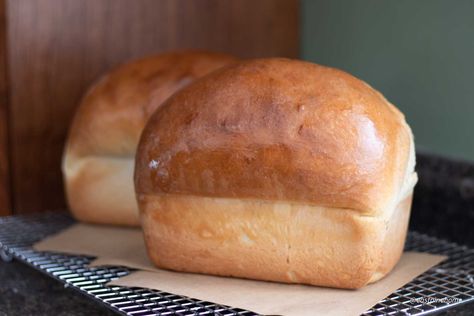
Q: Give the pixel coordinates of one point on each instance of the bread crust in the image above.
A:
(107, 127)
(278, 129)
(272, 240)
(277, 170)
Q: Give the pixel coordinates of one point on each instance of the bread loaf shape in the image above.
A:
(278, 170)
(99, 155)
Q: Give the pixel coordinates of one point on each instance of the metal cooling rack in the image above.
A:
(446, 285)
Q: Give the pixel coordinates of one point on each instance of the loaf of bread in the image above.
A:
(99, 156)
(277, 170)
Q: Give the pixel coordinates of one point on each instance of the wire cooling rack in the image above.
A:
(446, 285)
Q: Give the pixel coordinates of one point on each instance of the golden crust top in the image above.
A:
(113, 113)
(278, 129)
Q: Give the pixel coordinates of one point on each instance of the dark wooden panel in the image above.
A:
(58, 47)
(4, 151)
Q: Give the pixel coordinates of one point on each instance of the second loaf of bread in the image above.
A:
(100, 151)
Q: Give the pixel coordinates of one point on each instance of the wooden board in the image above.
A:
(5, 203)
(56, 48)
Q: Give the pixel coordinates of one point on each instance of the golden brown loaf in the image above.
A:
(99, 155)
(278, 170)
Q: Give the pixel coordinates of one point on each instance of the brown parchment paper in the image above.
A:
(125, 247)
(111, 245)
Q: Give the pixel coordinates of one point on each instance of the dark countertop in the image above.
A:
(443, 206)
(25, 291)
(443, 203)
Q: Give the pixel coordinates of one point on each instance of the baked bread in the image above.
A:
(99, 155)
(278, 170)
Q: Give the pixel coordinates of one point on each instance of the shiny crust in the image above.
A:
(277, 170)
(272, 240)
(278, 130)
(99, 155)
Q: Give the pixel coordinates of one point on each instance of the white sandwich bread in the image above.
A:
(99, 156)
(277, 170)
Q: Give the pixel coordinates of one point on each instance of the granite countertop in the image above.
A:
(443, 206)
(443, 203)
(25, 291)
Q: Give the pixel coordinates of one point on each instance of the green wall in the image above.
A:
(419, 54)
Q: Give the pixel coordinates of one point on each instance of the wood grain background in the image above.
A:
(52, 50)
(5, 198)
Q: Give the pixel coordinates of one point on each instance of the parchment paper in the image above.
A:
(111, 245)
(125, 247)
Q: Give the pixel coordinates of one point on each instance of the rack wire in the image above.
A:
(446, 285)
